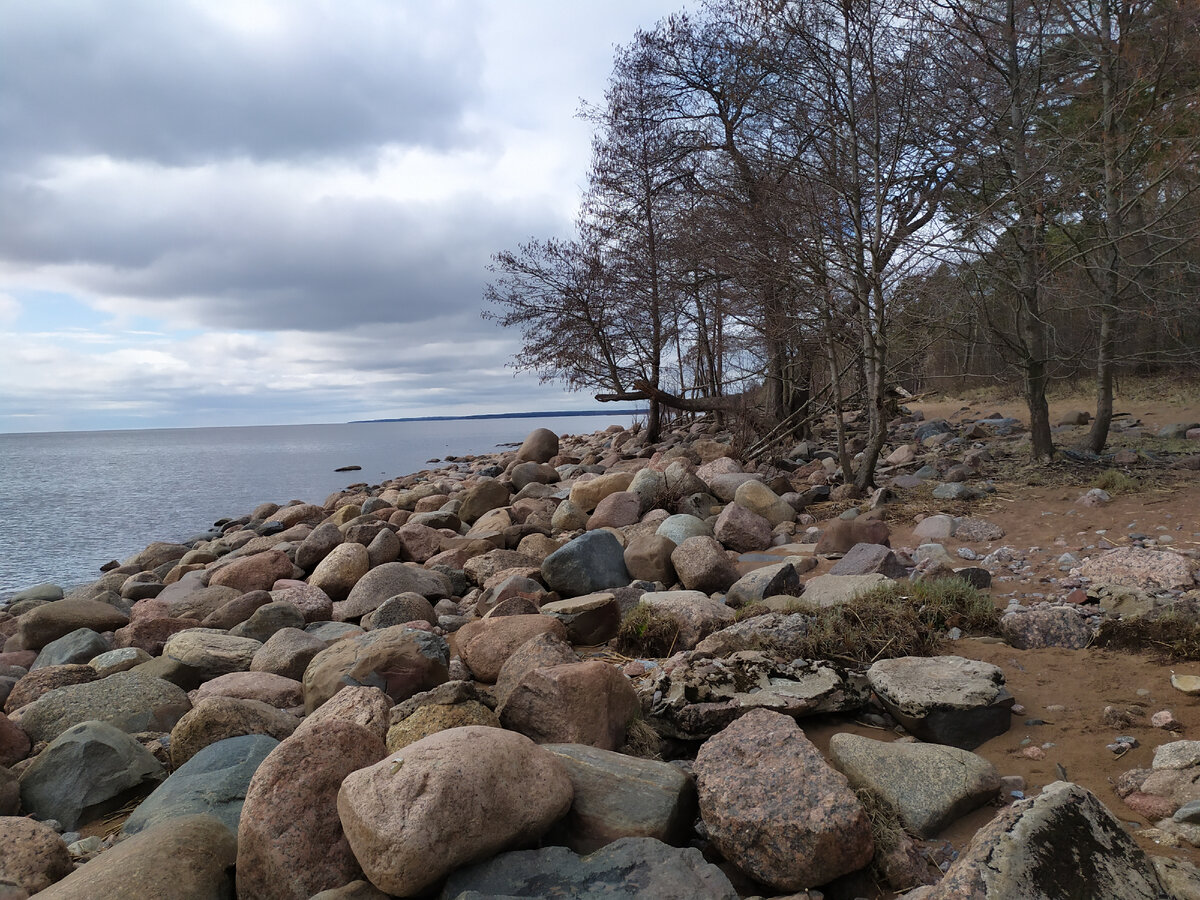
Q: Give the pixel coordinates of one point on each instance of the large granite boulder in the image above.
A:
(577, 703)
(486, 644)
(694, 614)
(290, 839)
(49, 622)
(467, 793)
(34, 855)
(762, 776)
(1061, 843)
(217, 719)
(398, 660)
(130, 701)
(593, 562)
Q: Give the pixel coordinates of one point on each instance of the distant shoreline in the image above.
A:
(554, 414)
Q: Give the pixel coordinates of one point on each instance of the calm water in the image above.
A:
(71, 501)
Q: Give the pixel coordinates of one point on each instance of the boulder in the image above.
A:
(541, 650)
(593, 562)
(468, 793)
(290, 839)
(620, 796)
(318, 545)
(213, 782)
(216, 719)
(340, 570)
(482, 497)
(387, 581)
(368, 707)
(76, 647)
(840, 535)
(617, 510)
(629, 867)
(400, 610)
(541, 445)
(678, 528)
(435, 717)
(702, 565)
(928, 785)
(694, 614)
(768, 581)
(268, 619)
(576, 703)
(590, 619)
(121, 660)
(1030, 629)
(86, 771)
(761, 775)
(824, 591)
(254, 573)
(37, 684)
(865, 559)
(313, 603)
(398, 660)
(130, 701)
(210, 652)
(648, 558)
(34, 855)
(184, 859)
(742, 530)
(275, 690)
(43, 624)
(14, 743)
(1134, 567)
(586, 495)
(944, 699)
(287, 653)
(1062, 843)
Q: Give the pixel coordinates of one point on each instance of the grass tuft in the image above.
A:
(1116, 482)
(1171, 637)
(646, 633)
(899, 619)
(641, 740)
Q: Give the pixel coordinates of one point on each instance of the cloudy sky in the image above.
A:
(227, 212)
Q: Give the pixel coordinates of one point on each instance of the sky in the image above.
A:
(281, 211)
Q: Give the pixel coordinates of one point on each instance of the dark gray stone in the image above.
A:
(213, 782)
(85, 772)
(592, 562)
(77, 647)
(642, 868)
(865, 559)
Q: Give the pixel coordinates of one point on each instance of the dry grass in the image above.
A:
(1171, 637)
(645, 633)
(1116, 482)
(899, 619)
(641, 740)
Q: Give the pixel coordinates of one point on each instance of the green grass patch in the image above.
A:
(646, 633)
(899, 619)
(1116, 482)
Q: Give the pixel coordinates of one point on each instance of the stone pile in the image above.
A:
(399, 692)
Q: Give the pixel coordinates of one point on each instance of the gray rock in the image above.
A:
(314, 548)
(76, 647)
(782, 634)
(120, 660)
(590, 619)
(620, 796)
(400, 610)
(928, 785)
(930, 428)
(833, 590)
(944, 699)
(699, 697)
(130, 701)
(641, 868)
(213, 782)
(387, 581)
(1062, 843)
(1030, 629)
(865, 559)
(211, 652)
(592, 562)
(85, 772)
(680, 527)
(954, 491)
(769, 581)
(268, 619)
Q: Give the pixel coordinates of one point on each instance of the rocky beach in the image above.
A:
(596, 667)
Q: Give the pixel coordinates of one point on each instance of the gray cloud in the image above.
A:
(176, 83)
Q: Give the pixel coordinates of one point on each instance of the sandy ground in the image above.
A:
(1069, 689)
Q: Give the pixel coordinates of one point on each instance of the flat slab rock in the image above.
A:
(642, 868)
(944, 699)
(701, 694)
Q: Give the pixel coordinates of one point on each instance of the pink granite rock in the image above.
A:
(702, 565)
(577, 703)
(762, 777)
(742, 530)
(254, 573)
(314, 603)
(467, 793)
(617, 510)
(34, 856)
(14, 743)
(290, 839)
(274, 690)
(486, 644)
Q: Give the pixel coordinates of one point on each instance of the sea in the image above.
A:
(72, 501)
